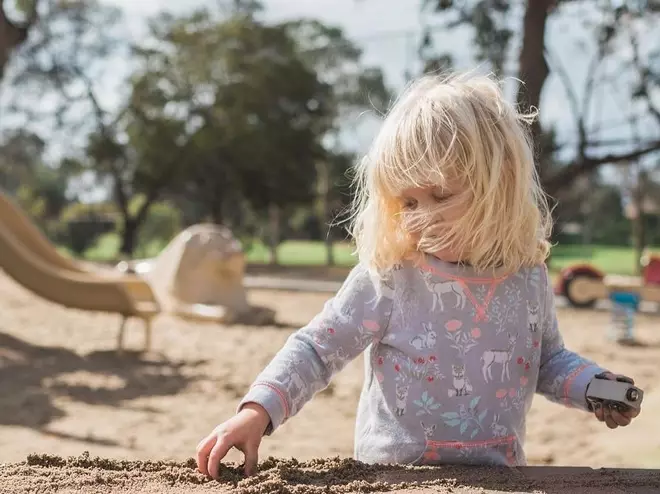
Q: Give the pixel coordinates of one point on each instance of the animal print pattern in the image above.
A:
(453, 360)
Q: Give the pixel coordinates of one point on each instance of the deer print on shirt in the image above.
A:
(429, 430)
(401, 390)
(426, 340)
(440, 288)
(386, 291)
(462, 386)
(533, 316)
(502, 357)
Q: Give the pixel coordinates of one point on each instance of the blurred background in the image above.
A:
(122, 122)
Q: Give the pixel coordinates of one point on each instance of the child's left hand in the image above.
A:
(614, 418)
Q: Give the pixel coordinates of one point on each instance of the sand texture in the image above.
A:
(83, 474)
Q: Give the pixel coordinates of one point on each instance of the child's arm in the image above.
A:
(564, 375)
(355, 317)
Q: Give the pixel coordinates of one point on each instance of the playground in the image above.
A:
(135, 361)
(65, 390)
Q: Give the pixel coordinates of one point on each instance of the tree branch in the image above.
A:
(568, 173)
(644, 74)
(122, 198)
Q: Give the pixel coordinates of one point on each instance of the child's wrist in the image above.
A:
(259, 413)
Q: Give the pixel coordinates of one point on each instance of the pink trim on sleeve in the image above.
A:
(568, 382)
(279, 394)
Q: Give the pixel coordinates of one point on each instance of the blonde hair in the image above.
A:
(443, 129)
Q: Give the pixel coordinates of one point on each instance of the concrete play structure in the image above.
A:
(198, 276)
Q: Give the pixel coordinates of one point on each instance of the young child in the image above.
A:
(451, 300)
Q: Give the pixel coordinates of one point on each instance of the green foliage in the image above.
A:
(84, 223)
(163, 222)
(302, 253)
(105, 248)
(492, 31)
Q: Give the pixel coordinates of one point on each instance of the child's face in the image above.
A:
(420, 199)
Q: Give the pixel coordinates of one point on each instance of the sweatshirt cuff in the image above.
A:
(575, 386)
(272, 399)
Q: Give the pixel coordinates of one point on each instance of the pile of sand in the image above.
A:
(84, 474)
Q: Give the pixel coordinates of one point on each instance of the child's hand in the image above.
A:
(243, 431)
(614, 418)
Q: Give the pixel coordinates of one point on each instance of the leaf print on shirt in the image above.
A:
(511, 399)
(505, 308)
(421, 369)
(462, 340)
(469, 419)
(427, 404)
(367, 333)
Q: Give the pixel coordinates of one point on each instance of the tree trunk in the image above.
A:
(638, 225)
(12, 35)
(129, 237)
(533, 69)
(324, 211)
(639, 240)
(329, 248)
(273, 233)
(217, 211)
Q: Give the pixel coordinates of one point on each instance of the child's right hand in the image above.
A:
(243, 431)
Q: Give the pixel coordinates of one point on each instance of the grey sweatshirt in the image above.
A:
(452, 362)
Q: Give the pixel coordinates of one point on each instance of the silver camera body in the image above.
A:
(619, 395)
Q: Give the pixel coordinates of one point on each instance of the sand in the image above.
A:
(64, 391)
(50, 474)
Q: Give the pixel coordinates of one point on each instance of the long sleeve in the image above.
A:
(354, 318)
(564, 375)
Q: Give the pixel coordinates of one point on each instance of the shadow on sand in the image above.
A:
(32, 377)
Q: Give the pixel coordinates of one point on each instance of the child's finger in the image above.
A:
(620, 418)
(219, 451)
(609, 421)
(600, 414)
(203, 449)
(251, 460)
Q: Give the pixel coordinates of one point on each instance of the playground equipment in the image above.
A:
(583, 285)
(199, 276)
(30, 259)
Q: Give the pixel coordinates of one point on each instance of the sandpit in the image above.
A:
(63, 391)
(84, 474)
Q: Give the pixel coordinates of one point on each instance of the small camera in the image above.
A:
(619, 395)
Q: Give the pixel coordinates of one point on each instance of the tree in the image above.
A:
(355, 90)
(141, 153)
(615, 28)
(14, 32)
(39, 188)
(21, 152)
(256, 108)
(63, 62)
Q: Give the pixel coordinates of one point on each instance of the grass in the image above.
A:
(611, 259)
(302, 253)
